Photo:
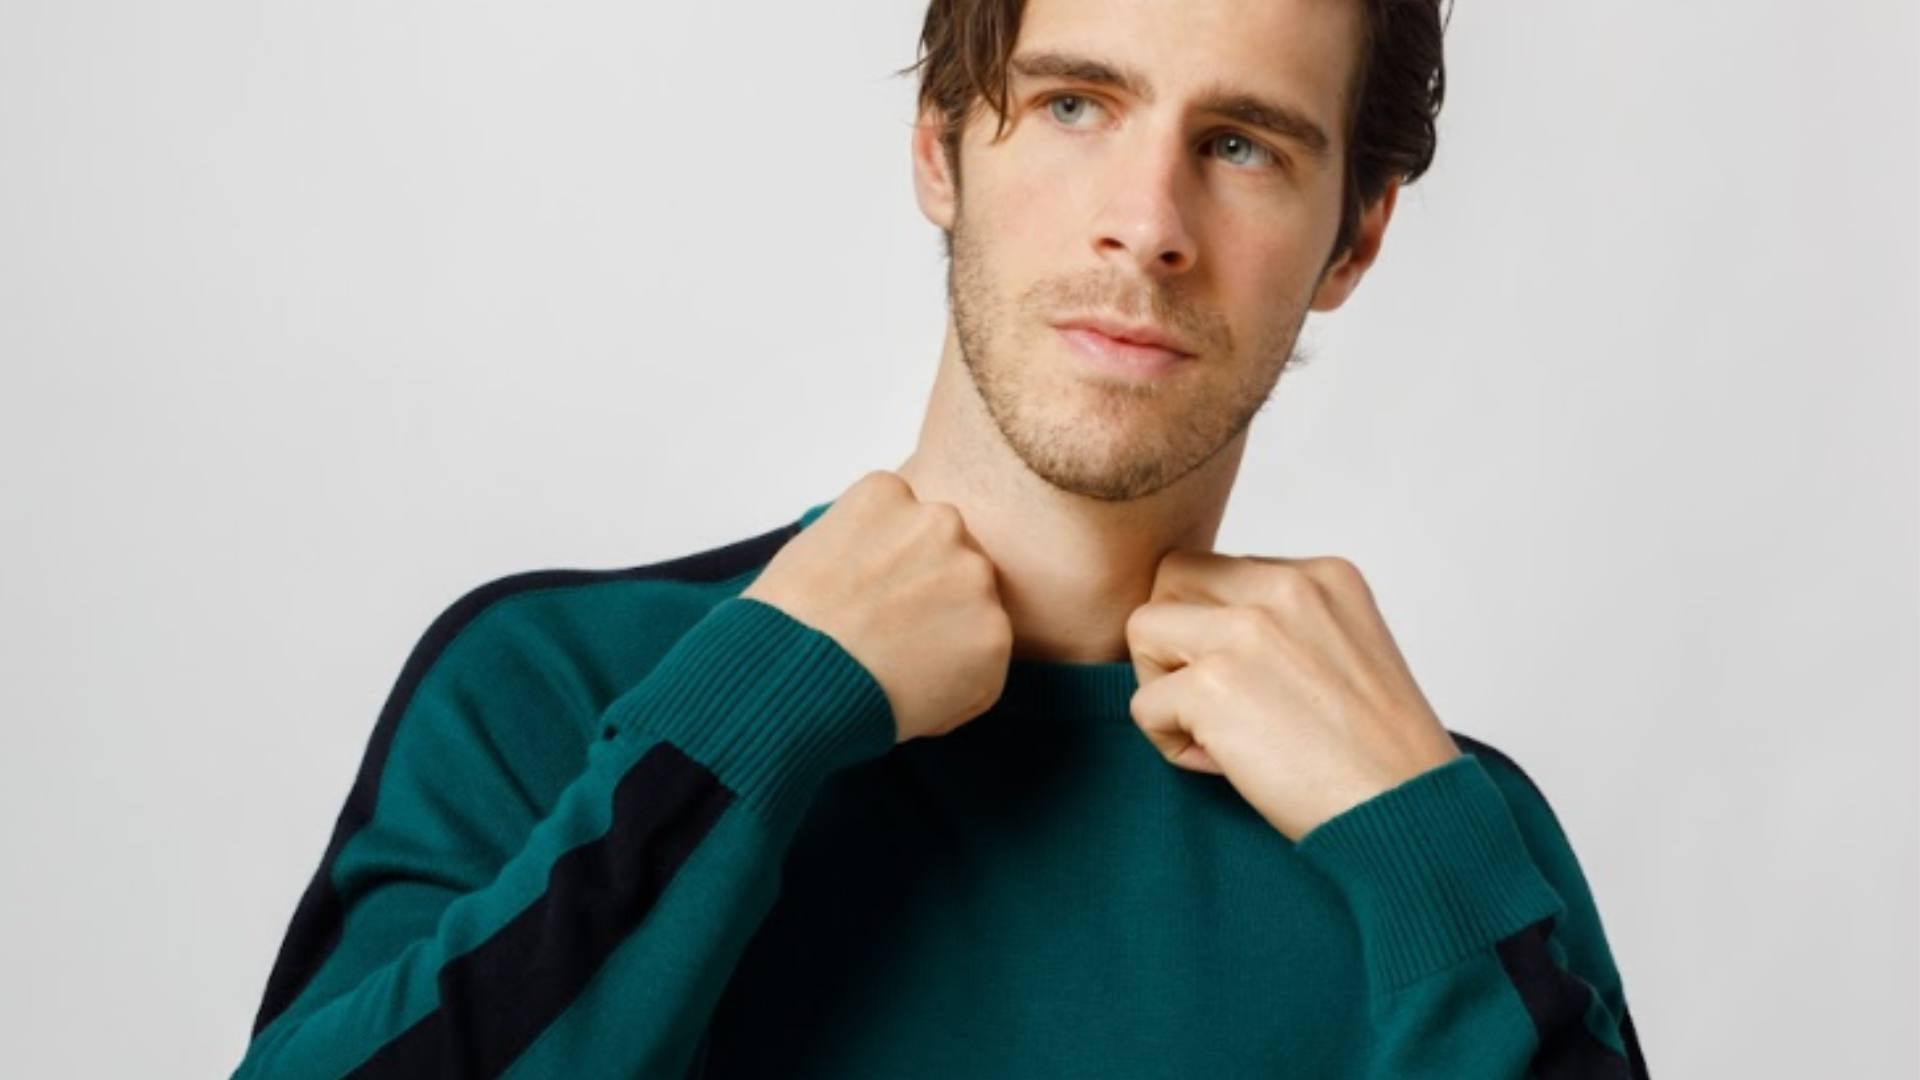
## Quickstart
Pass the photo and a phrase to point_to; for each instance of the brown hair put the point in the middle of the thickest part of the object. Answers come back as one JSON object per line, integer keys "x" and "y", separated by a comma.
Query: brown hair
{"x": 1392, "y": 99}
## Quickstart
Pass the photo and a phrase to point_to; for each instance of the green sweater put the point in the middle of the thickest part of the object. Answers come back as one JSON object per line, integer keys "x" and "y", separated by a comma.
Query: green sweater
{"x": 628, "y": 823}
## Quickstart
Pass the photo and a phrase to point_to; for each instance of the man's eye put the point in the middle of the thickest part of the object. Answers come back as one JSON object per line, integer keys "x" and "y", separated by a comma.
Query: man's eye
{"x": 1237, "y": 149}
{"x": 1239, "y": 141}
{"x": 1079, "y": 102}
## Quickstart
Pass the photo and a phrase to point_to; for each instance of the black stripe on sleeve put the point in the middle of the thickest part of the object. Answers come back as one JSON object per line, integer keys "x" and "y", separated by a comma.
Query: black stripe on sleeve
{"x": 314, "y": 930}
{"x": 1635, "y": 1057}
{"x": 498, "y": 998}
{"x": 1557, "y": 1000}
{"x": 1544, "y": 993}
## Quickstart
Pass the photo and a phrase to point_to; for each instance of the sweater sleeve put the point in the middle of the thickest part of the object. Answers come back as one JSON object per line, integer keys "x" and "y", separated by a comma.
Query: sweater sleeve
{"x": 1478, "y": 965}
{"x": 466, "y": 929}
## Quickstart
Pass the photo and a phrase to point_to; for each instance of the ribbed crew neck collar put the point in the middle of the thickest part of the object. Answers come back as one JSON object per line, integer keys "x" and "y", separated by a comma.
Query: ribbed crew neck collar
{"x": 1055, "y": 687}
{"x": 1061, "y": 688}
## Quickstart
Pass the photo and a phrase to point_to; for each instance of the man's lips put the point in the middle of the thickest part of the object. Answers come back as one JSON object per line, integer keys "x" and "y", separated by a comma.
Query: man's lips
{"x": 1122, "y": 357}
{"x": 1131, "y": 333}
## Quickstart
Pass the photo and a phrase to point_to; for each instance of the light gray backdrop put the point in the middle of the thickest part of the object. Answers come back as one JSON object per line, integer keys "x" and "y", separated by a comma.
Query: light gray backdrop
{"x": 314, "y": 316}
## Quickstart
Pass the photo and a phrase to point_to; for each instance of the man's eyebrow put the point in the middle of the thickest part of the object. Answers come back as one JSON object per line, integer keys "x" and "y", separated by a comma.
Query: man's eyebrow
{"x": 1249, "y": 109}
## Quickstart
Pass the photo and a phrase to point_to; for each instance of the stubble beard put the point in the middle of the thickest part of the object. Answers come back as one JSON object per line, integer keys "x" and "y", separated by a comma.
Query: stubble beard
{"x": 1106, "y": 439}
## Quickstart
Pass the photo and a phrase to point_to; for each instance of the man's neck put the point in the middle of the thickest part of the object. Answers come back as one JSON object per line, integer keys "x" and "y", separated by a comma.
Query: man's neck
{"x": 1071, "y": 568}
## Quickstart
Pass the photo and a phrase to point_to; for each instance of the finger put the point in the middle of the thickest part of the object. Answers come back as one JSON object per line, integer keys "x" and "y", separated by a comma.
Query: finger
{"x": 1166, "y": 635}
{"x": 1160, "y": 712}
{"x": 1338, "y": 593}
{"x": 1355, "y": 611}
{"x": 1215, "y": 578}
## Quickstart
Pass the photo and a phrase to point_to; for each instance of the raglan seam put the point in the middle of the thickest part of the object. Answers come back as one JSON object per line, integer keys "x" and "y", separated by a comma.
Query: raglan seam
{"x": 437, "y": 669}
{"x": 754, "y": 552}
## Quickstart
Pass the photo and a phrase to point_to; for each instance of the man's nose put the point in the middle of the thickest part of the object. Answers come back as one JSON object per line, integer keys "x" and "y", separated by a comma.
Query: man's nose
{"x": 1144, "y": 216}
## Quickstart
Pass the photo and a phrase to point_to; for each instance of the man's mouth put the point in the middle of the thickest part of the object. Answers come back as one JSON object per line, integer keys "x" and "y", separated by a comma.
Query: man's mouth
{"x": 1119, "y": 356}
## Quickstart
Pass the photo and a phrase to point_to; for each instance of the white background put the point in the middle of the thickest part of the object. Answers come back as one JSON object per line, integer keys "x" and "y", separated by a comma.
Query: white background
{"x": 314, "y": 316}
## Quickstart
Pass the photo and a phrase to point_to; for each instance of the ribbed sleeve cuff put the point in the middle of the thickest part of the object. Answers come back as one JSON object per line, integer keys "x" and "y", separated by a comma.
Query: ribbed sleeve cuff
{"x": 769, "y": 704}
{"x": 1434, "y": 870}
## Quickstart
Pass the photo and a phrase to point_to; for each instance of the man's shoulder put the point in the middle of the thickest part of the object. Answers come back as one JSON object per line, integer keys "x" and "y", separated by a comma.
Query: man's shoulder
{"x": 574, "y": 594}
{"x": 1541, "y": 827}
{"x": 1548, "y": 841}
{"x": 596, "y": 630}
{"x": 1523, "y": 792}
{"x": 1507, "y": 774}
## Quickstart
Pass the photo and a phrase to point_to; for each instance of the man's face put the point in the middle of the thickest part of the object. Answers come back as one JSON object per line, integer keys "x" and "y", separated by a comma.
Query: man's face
{"x": 1143, "y": 205}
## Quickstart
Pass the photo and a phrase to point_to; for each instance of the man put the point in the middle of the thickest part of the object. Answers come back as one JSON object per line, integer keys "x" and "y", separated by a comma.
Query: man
{"x": 990, "y": 767}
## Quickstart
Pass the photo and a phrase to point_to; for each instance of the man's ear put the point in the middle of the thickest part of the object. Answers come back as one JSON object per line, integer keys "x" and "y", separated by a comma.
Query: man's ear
{"x": 1339, "y": 280}
{"x": 934, "y": 185}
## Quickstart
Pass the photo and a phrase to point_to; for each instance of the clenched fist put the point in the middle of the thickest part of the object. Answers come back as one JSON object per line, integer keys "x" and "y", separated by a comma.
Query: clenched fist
{"x": 904, "y": 588}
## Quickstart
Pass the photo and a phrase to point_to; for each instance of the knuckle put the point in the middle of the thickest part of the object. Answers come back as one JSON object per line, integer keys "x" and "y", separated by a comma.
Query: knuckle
{"x": 1342, "y": 571}
{"x": 945, "y": 517}
{"x": 1291, "y": 587}
{"x": 985, "y": 576}
{"x": 1250, "y": 624}
{"x": 1000, "y": 631}
{"x": 1208, "y": 675}
{"x": 877, "y": 483}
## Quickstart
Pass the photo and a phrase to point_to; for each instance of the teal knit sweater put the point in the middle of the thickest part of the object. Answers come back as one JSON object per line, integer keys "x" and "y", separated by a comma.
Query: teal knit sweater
{"x": 629, "y": 823}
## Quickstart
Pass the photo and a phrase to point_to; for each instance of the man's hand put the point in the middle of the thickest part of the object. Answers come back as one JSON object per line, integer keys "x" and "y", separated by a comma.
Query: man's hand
{"x": 1280, "y": 675}
{"x": 895, "y": 580}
